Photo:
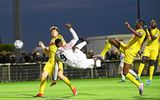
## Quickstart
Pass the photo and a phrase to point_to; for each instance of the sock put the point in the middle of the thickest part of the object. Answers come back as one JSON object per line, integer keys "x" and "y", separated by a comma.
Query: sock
{"x": 141, "y": 67}
{"x": 123, "y": 77}
{"x": 151, "y": 70}
{"x": 132, "y": 79}
{"x": 106, "y": 49}
{"x": 66, "y": 80}
{"x": 42, "y": 85}
{"x": 132, "y": 72}
{"x": 81, "y": 45}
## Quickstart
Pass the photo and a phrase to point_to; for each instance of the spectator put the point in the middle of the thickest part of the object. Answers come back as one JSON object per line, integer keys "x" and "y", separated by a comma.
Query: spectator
{"x": 4, "y": 57}
{"x": 12, "y": 58}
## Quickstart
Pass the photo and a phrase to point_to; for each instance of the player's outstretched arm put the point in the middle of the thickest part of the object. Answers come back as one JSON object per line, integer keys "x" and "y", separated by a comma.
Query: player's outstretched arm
{"x": 46, "y": 51}
{"x": 74, "y": 34}
{"x": 153, "y": 37}
{"x": 132, "y": 30}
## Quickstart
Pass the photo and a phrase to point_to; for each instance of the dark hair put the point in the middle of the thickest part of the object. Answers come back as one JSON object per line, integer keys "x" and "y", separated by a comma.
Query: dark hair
{"x": 141, "y": 22}
{"x": 154, "y": 22}
{"x": 57, "y": 41}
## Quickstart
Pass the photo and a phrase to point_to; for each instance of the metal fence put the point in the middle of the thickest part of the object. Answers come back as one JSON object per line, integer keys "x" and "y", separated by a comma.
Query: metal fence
{"x": 32, "y": 71}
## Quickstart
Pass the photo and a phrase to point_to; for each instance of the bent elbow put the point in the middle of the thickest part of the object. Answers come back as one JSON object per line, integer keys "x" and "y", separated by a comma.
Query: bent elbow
{"x": 77, "y": 38}
{"x": 139, "y": 35}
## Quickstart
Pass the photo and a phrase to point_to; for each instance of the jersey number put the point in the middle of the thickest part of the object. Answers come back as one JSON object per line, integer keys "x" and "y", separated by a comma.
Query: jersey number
{"x": 63, "y": 57}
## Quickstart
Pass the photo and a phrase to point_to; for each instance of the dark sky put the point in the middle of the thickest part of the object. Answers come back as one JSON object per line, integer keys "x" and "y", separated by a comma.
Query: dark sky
{"x": 89, "y": 18}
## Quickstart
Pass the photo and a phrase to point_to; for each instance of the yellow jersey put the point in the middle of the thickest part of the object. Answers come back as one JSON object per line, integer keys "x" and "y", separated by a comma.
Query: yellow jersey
{"x": 136, "y": 42}
{"x": 52, "y": 46}
{"x": 153, "y": 43}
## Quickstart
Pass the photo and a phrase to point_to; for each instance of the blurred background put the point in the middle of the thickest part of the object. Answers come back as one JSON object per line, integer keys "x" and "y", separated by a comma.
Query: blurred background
{"x": 96, "y": 20}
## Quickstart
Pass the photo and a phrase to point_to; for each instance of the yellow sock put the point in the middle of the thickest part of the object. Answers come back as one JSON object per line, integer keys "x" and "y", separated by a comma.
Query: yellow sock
{"x": 66, "y": 80}
{"x": 141, "y": 67}
{"x": 132, "y": 79}
{"x": 151, "y": 70}
{"x": 106, "y": 49}
{"x": 42, "y": 86}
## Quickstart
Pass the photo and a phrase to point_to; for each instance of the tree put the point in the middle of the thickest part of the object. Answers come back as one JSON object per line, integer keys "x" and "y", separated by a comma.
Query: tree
{"x": 7, "y": 47}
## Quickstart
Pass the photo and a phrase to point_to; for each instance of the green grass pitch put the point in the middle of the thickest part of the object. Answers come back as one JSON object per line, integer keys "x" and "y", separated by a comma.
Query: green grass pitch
{"x": 88, "y": 89}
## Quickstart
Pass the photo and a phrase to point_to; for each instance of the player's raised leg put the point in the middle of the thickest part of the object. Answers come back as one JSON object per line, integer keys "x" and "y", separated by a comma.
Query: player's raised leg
{"x": 81, "y": 45}
{"x": 106, "y": 49}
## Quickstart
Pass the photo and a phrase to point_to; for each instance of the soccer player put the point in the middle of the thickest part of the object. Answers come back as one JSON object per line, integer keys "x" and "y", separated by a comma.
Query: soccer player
{"x": 72, "y": 55}
{"x": 107, "y": 47}
{"x": 49, "y": 66}
{"x": 158, "y": 68}
{"x": 150, "y": 51}
{"x": 131, "y": 49}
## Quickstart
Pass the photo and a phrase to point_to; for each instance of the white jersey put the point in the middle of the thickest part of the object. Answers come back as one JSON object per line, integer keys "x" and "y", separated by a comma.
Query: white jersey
{"x": 70, "y": 57}
{"x": 73, "y": 58}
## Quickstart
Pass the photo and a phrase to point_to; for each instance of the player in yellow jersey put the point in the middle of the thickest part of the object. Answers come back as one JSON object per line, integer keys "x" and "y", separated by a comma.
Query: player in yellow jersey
{"x": 150, "y": 51}
{"x": 108, "y": 46}
{"x": 158, "y": 67}
{"x": 131, "y": 49}
{"x": 49, "y": 66}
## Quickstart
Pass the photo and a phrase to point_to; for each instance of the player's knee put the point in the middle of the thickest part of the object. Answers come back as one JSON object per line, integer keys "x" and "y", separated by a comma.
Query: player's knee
{"x": 144, "y": 59}
{"x": 60, "y": 74}
{"x": 111, "y": 41}
{"x": 126, "y": 68}
{"x": 125, "y": 73}
{"x": 152, "y": 62}
{"x": 44, "y": 75}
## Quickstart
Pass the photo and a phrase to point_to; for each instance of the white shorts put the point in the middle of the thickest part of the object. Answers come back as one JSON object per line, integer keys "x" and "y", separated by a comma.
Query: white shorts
{"x": 81, "y": 60}
{"x": 86, "y": 63}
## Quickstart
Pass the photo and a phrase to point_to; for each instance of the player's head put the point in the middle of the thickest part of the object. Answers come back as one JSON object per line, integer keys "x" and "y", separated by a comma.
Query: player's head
{"x": 139, "y": 24}
{"x": 153, "y": 23}
{"x": 54, "y": 31}
{"x": 58, "y": 43}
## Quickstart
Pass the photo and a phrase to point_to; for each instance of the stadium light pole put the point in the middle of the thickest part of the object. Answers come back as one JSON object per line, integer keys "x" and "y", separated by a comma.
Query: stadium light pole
{"x": 0, "y": 40}
{"x": 16, "y": 20}
{"x": 138, "y": 9}
{"x": 16, "y": 26}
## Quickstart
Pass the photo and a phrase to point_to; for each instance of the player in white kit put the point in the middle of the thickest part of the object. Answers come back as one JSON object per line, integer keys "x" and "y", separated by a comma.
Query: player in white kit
{"x": 72, "y": 55}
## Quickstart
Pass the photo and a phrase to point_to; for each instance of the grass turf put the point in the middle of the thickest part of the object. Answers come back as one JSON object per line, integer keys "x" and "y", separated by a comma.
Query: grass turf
{"x": 89, "y": 89}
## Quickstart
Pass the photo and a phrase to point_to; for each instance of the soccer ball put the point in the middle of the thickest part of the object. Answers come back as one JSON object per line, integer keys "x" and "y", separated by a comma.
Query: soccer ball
{"x": 18, "y": 44}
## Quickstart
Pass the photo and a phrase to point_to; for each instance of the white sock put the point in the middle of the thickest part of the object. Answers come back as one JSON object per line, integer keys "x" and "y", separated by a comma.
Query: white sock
{"x": 55, "y": 72}
{"x": 132, "y": 72}
{"x": 81, "y": 45}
